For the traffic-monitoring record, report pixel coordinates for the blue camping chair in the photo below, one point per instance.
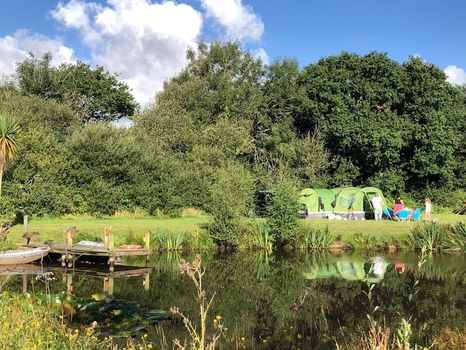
(403, 214)
(387, 214)
(406, 214)
(417, 214)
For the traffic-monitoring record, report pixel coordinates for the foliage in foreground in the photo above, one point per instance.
(27, 323)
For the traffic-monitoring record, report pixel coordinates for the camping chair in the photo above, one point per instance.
(416, 215)
(403, 214)
(387, 214)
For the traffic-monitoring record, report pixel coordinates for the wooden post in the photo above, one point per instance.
(147, 245)
(69, 240)
(26, 223)
(25, 284)
(110, 286)
(106, 235)
(147, 240)
(69, 283)
(146, 281)
(111, 246)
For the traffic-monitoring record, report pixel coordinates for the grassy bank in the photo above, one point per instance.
(130, 229)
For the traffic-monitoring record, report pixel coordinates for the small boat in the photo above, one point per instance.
(15, 257)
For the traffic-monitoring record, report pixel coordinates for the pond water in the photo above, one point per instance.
(306, 301)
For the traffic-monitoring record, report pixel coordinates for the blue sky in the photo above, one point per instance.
(144, 41)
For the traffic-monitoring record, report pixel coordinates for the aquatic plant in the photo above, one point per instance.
(319, 238)
(170, 241)
(262, 237)
(363, 241)
(432, 236)
(199, 338)
(457, 237)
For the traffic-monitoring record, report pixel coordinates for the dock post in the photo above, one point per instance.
(111, 246)
(106, 235)
(69, 244)
(25, 284)
(147, 245)
(146, 281)
(26, 223)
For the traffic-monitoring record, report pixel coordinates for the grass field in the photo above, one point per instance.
(130, 228)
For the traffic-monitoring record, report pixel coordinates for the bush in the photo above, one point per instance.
(283, 214)
(230, 196)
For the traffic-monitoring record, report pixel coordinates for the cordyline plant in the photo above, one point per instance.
(199, 340)
(9, 131)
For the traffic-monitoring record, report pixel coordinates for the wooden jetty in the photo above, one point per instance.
(70, 252)
(92, 270)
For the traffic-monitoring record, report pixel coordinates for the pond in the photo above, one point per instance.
(308, 301)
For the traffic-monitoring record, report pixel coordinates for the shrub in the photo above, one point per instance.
(230, 195)
(283, 214)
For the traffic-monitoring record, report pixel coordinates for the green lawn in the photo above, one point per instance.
(130, 228)
(121, 227)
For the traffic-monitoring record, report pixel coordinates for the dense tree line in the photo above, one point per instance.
(227, 126)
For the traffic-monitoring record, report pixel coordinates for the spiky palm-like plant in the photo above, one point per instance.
(9, 131)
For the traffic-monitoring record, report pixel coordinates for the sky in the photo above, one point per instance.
(145, 41)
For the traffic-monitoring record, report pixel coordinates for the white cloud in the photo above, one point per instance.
(240, 21)
(455, 75)
(261, 54)
(144, 42)
(15, 48)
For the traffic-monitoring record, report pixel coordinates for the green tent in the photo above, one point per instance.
(350, 203)
(317, 201)
(355, 203)
(370, 193)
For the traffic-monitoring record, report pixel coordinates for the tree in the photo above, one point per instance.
(9, 131)
(94, 93)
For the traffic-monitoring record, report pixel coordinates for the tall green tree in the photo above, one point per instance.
(9, 131)
(93, 92)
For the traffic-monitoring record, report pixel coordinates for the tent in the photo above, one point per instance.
(317, 201)
(370, 193)
(350, 203)
(355, 203)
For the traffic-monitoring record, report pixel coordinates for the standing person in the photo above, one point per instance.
(378, 207)
(428, 205)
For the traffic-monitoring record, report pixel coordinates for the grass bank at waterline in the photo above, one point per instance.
(191, 230)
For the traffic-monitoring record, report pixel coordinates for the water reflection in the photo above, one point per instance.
(280, 301)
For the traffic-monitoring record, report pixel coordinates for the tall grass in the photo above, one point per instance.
(435, 236)
(262, 237)
(319, 238)
(170, 241)
(457, 237)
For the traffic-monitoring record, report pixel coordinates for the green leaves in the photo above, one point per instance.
(9, 131)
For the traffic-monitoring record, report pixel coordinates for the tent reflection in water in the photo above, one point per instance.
(316, 202)
(371, 271)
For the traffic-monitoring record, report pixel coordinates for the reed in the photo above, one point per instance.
(262, 237)
(431, 236)
(319, 238)
(170, 241)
